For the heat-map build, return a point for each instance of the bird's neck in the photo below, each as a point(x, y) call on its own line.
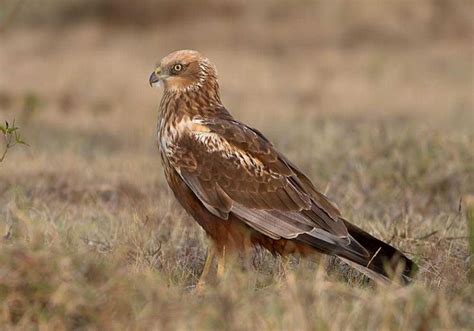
point(202, 102)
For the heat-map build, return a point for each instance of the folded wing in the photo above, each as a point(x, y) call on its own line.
point(235, 169)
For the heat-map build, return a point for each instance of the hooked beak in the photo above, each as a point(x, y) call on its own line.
point(154, 78)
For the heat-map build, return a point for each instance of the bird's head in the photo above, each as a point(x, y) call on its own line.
point(183, 70)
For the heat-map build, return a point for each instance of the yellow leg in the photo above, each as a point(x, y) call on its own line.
point(207, 267)
point(221, 264)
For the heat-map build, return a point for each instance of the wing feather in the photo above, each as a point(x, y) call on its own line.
point(235, 169)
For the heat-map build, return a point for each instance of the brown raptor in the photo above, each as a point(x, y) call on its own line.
point(239, 188)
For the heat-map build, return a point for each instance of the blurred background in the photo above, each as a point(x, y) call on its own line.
point(74, 74)
point(91, 58)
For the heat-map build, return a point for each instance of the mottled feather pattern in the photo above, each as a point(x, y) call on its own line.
point(233, 168)
point(236, 184)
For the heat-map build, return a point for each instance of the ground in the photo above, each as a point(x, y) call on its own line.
point(92, 236)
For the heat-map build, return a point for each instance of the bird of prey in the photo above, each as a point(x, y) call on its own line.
point(239, 188)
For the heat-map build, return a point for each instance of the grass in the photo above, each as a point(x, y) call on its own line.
point(97, 249)
point(93, 239)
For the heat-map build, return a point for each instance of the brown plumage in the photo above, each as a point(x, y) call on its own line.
point(238, 187)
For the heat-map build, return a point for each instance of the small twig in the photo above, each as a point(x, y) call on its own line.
point(4, 153)
point(426, 236)
point(373, 257)
point(11, 138)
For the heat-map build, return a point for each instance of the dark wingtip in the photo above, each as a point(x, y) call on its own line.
point(385, 258)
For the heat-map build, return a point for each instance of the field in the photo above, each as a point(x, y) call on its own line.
point(379, 115)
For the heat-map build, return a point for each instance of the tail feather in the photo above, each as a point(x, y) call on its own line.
point(381, 261)
point(384, 258)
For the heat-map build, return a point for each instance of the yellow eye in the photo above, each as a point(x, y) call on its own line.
point(177, 67)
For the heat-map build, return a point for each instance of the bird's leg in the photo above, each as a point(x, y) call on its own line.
point(207, 267)
point(221, 263)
